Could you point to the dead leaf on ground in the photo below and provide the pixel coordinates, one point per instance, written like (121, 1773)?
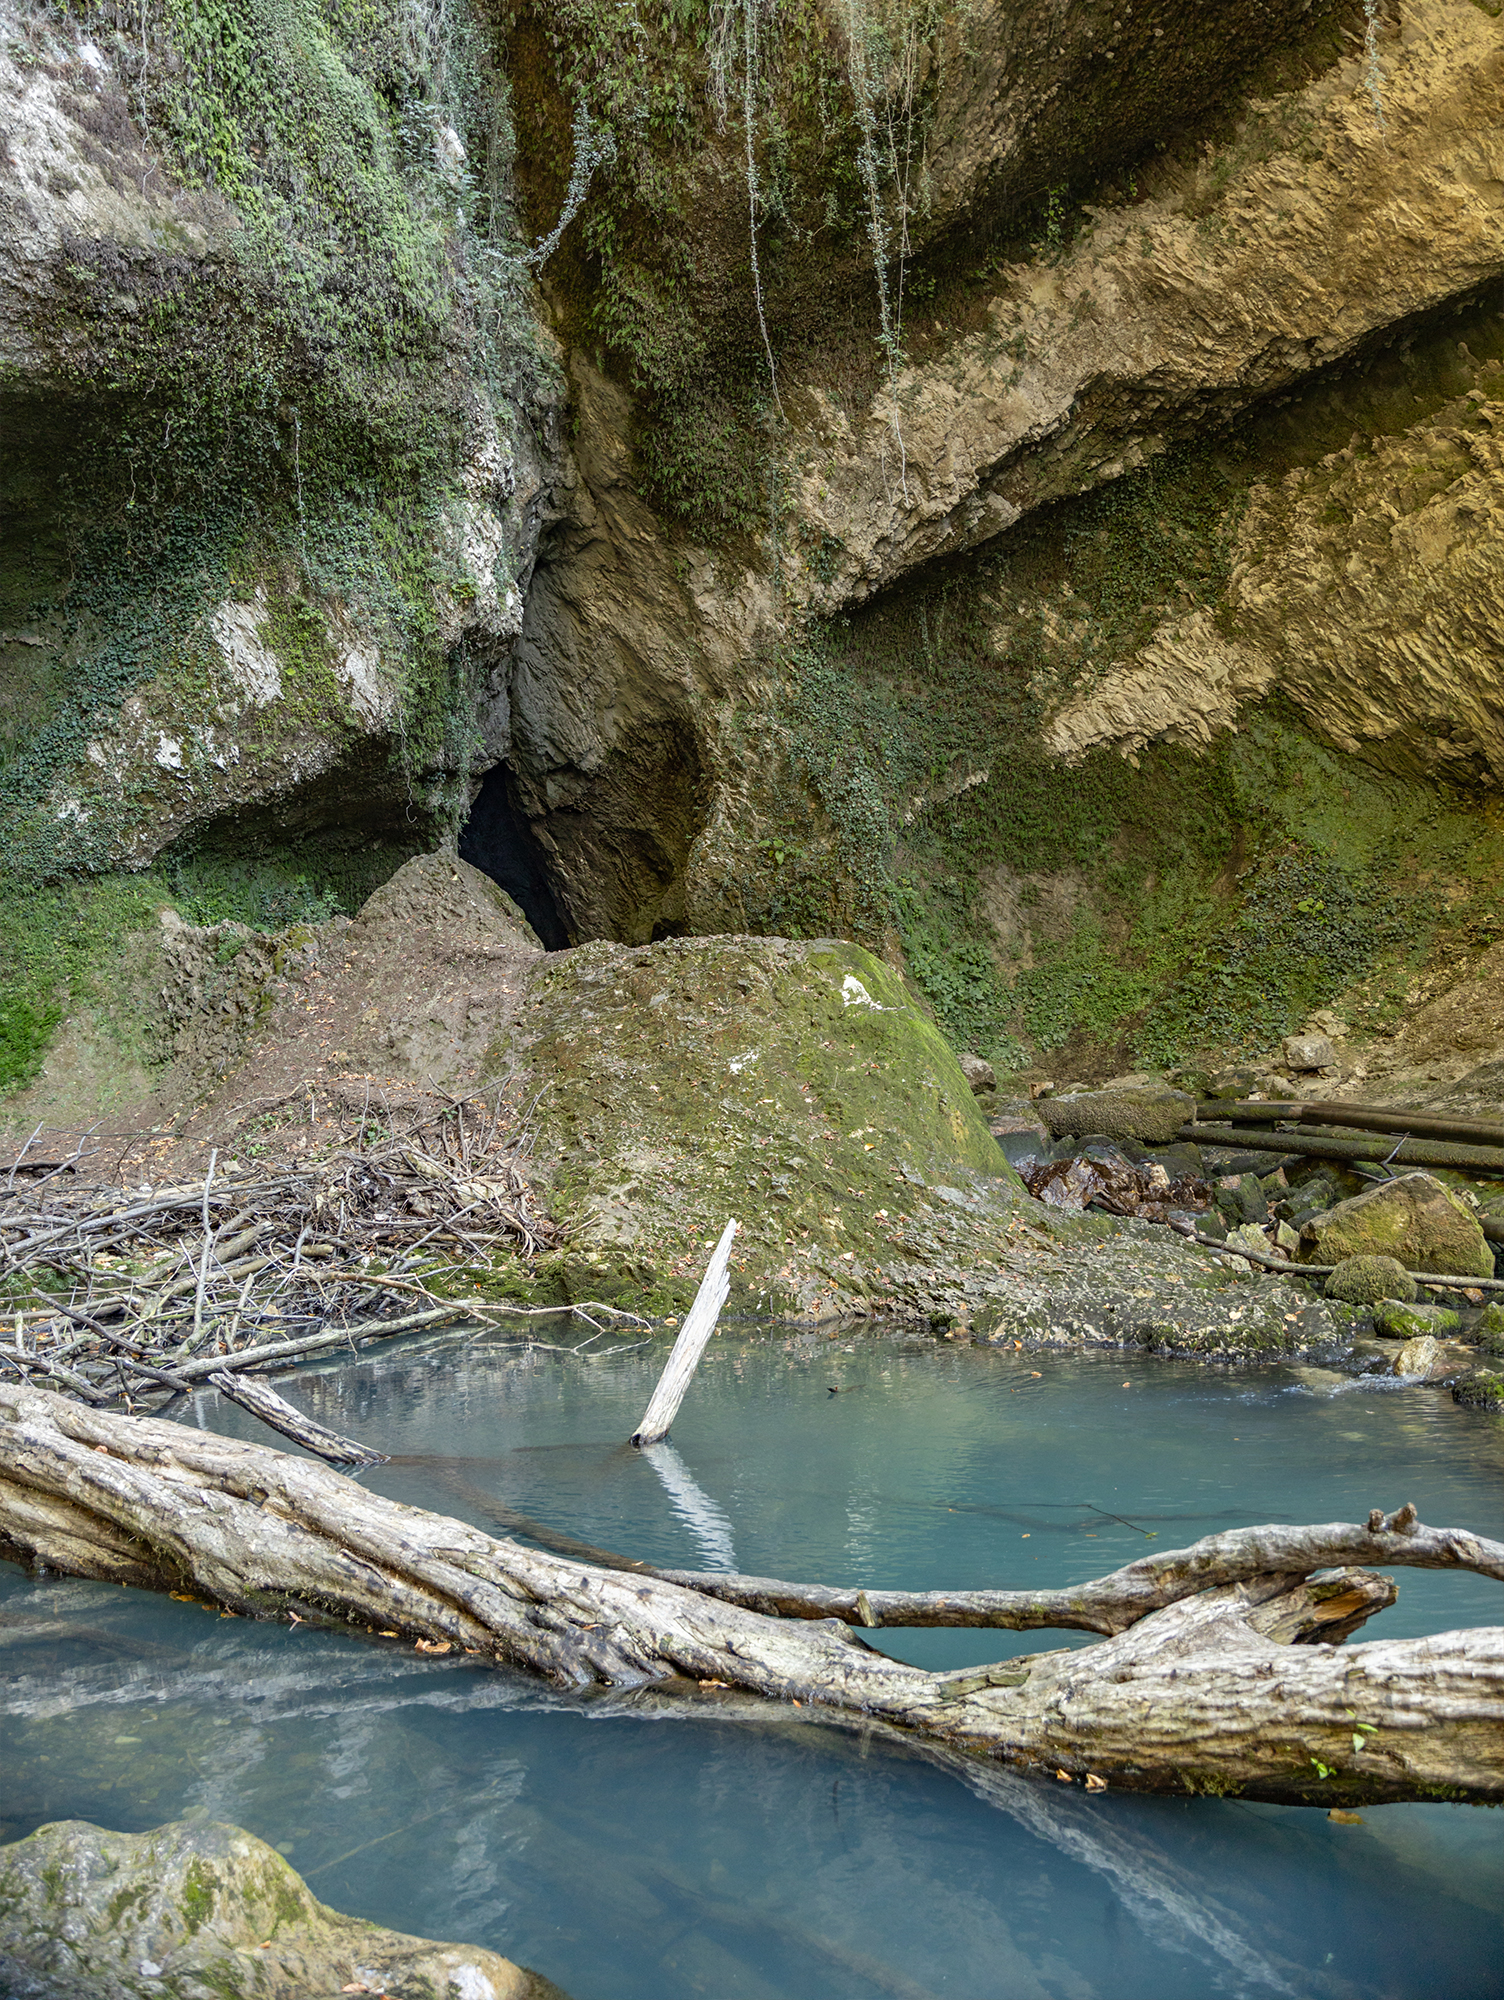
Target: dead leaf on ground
(1096, 1784)
(433, 1646)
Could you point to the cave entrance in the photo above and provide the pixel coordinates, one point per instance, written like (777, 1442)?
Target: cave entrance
(499, 840)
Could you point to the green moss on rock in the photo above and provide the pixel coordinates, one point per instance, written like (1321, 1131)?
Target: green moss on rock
(1482, 1391)
(1413, 1219)
(196, 1908)
(1407, 1323)
(1363, 1281)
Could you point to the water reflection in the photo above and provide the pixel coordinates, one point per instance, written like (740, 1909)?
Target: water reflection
(632, 1845)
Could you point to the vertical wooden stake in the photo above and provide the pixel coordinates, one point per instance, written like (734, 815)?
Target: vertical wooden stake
(699, 1325)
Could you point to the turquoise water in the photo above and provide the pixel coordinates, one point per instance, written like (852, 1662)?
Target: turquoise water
(636, 1850)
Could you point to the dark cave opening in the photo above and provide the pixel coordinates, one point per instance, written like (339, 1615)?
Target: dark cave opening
(499, 840)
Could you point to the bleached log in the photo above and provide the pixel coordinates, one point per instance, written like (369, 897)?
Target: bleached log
(699, 1325)
(1234, 1689)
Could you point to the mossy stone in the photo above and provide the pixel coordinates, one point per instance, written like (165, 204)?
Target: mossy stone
(200, 1908)
(1483, 1391)
(1401, 1322)
(1489, 1331)
(1154, 1116)
(1363, 1281)
(1412, 1218)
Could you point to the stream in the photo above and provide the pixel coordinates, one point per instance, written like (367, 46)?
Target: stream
(637, 1848)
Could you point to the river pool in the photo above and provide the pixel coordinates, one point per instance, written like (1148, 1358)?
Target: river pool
(651, 1851)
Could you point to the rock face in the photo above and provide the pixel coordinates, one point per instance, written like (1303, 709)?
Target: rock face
(229, 611)
(1413, 1219)
(199, 1911)
(1010, 567)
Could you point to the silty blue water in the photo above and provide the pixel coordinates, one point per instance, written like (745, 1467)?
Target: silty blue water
(636, 1854)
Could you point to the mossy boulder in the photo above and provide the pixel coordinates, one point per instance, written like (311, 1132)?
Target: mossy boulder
(201, 1911)
(1363, 1281)
(1489, 1331)
(1413, 1219)
(800, 1088)
(1482, 1391)
(1407, 1323)
(796, 1086)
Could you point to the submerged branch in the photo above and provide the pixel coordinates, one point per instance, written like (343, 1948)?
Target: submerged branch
(1208, 1684)
(1112, 1603)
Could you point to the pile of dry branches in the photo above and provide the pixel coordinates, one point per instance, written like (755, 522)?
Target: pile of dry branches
(110, 1293)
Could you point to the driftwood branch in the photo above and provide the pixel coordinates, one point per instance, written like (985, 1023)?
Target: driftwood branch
(1224, 1679)
(1111, 1604)
(1366, 1117)
(699, 1325)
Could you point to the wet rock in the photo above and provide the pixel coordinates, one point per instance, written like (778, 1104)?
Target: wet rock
(1249, 1236)
(1416, 1357)
(1412, 1218)
(1241, 1198)
(201, 1911)
(1232, 1083)
(979, 1074)
(1155, 1116)
(1488, 1334)
(1483, 1391)
(1309, 1052)
(1405, 1322)
(1363, 1281)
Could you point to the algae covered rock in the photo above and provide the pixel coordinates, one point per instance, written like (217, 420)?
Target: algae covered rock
(1482, 1391)
(795, 1086)
(1363, 1281)
(201, 1911)
(1414, 1322)
(1489, 1331)
(799, 1088)
(1152, 1116)
(1413, 1219)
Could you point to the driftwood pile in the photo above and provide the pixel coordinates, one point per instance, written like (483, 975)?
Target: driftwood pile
(138, 1295)
(1220, 1668)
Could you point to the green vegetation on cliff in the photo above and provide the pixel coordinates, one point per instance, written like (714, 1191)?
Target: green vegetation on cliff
(1127, 909)
(274, 405)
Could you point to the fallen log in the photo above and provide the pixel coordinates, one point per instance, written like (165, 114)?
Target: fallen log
(1366, 1117)
(1220, 1680)
(1314, 1146)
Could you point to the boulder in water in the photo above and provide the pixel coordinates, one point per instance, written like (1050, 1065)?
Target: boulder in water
(200, 1911)
(1402, 1322)
(1481, 1391)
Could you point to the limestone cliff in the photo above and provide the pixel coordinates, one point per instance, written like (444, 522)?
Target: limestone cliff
(979, 480)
